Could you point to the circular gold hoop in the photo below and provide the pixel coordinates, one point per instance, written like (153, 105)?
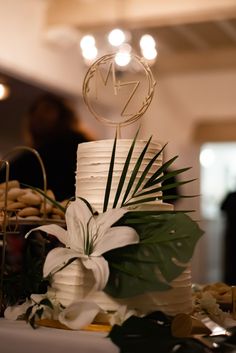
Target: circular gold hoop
(146, 102)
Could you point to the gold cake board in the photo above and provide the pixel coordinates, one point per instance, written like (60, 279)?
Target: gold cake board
(95, 327)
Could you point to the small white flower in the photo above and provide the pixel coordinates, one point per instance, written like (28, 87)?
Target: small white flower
(79, 314)
(16, 311)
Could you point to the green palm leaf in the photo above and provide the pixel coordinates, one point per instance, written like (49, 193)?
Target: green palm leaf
(168, 175)
(138, 202)
(41, 192)
(87, 204)
(175, 197)
(159, 171)
(146, 170)
(109, 178)
(124, 172)
(163, 187)
(135, 171)
(159, 176)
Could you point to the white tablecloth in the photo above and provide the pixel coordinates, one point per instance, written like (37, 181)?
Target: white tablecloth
(19, 337)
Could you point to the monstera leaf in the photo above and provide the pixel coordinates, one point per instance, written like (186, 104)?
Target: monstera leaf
(167, 241)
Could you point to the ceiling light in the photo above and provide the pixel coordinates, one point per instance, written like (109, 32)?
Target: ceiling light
(122, 58)
(90, 53)
(116, 37)
(147, 41)
(4, 91)
(87, 41)
(149, 53)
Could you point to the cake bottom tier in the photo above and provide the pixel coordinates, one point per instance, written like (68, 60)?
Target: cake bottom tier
(74, 282)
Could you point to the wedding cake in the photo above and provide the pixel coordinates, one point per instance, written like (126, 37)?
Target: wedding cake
(93, 161)
(122, 249)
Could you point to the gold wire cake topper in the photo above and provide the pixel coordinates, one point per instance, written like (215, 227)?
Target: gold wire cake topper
(106, 72)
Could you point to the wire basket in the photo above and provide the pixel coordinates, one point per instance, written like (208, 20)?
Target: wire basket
(12, 227)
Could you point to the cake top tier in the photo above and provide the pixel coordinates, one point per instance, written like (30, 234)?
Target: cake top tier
(94, 163)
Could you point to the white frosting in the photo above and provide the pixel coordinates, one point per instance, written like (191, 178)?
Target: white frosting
(93, 162)
(74, 282)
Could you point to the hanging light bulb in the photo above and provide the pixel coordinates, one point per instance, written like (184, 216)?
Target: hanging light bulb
(87, 41)
(90, 53)
(149, 53)
(116, 37)
(147, 41)
(148, 47)
(88, 46)
(123, 56)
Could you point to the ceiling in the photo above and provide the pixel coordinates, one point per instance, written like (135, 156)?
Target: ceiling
(203, 44)
(195, 37)
(195, 46)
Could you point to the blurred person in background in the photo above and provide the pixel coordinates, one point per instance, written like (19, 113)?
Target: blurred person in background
(52, 128)
(228, 206)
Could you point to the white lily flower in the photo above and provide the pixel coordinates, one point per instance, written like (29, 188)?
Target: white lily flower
(87, 237)
(16, 311)
(79, 314)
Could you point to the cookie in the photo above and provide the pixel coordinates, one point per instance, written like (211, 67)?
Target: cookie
(29, 198)
(14, 193)
(2, 203)
(15, 206)
(57, 211)
(11, 184)
(29, 211)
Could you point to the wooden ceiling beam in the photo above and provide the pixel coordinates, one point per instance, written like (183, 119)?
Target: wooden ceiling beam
(211, 59)
(136, 13)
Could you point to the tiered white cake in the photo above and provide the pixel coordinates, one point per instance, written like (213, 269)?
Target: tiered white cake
(93, 161)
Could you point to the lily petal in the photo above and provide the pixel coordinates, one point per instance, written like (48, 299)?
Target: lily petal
(58, 258)
(36, 298)
(13, 312)
(105, 220)
(115, 237)
(100, 269)
(79, 314)
(53, 229)
(77, 217)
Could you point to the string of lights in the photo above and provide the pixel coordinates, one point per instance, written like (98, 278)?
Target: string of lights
(119, 42)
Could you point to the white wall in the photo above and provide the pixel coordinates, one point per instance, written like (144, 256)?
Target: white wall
(24, 52)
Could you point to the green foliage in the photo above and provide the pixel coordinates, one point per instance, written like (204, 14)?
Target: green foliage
(167, 241)
(35, 311)
(53, 202)
(109, 178)
(149, 191)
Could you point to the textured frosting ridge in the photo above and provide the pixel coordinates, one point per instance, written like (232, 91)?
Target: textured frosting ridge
(93, 161)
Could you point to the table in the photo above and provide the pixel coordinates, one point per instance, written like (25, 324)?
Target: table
(19, 337)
